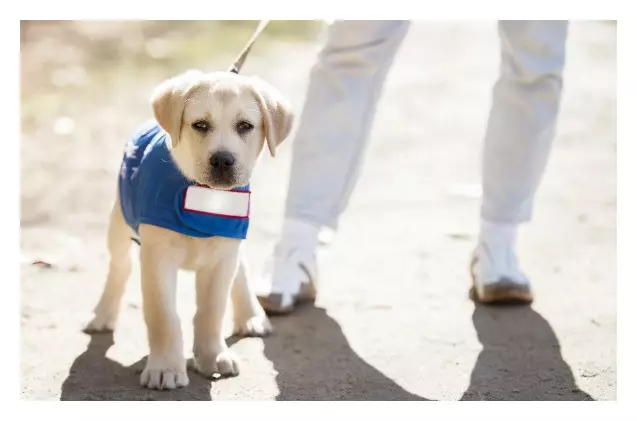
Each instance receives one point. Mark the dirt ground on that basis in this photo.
(398, 327)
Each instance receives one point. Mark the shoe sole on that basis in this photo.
(504, 291)
(272, 303)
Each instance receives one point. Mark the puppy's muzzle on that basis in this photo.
(222, 162)
(222, 166)
(223, 169)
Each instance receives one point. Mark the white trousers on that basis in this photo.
(346, 82)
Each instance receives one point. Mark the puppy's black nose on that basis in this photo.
(222, 160)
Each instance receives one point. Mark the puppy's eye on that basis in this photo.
(201, 126)
(244, 127)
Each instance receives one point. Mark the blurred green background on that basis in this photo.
(62, 58)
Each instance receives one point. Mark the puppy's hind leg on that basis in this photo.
(119, 243)
(249, 317)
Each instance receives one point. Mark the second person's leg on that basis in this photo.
(521, 129)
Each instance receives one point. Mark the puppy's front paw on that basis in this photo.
(160, 374)
(225, 363)
(257, 326)
(101, 323)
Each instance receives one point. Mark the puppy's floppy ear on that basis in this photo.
(276, 111)
(168, 101)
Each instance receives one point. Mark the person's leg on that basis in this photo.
(345, 84)
(521, 129)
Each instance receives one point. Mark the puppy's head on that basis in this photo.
(218, 124)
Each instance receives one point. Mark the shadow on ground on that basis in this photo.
(314, 361)
(309, 351)
(520, 360)
(93, 376)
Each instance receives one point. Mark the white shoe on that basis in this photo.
(289, 276)
(494, 267)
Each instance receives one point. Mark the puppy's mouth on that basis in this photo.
(222, 171)
(224, 180)
(222, 184)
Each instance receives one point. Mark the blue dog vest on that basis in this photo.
(153, 191)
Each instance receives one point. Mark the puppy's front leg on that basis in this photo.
(166, 366)
(211, 354)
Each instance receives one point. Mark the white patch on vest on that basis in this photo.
(235, 204)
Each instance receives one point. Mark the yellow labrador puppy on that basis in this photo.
(184, 190)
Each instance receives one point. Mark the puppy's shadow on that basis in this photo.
(521, 358)
(93, 376)
(314, 361)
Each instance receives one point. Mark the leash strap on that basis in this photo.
(238, 63)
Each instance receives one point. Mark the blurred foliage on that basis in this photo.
(163, 44)
(64, 59)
